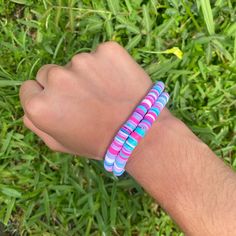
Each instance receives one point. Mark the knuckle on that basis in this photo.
(35, 107)
(109, 47)
(44, 67)
(81, 59)
(55, 73)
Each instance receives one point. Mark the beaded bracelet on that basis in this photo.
(138, 133)
(131, 124)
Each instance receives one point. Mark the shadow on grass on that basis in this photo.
(5, 232)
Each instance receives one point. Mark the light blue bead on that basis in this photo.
(158, 88)
(162, 100)
(156, 110)
(120, 165)
(127, 146)
(147, 122)
(140, 131)
(143, 108)
(118, 173)
(119, 139)
(131, 126)
(132, 141)
(125, 131)
(108, 164)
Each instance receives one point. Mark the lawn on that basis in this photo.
(191, 45)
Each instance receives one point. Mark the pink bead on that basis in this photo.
(134, 120)
(150, 118)
(125, 151)
(112, 151)
(122, 135)
(153, 114)
(136, 136)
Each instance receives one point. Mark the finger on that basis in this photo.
(28, 90)
(42, 74)
(48, 140)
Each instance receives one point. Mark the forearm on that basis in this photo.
(194, 186)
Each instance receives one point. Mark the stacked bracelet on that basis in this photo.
(139, 132)
(131, 124)
(134, 129)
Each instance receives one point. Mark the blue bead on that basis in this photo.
(127, 146)
(131, 126)
(162, 100)
(125, 131)
(140, 131)
(118, 173)
(143, 108)
(147, 122)
(108, 164)
(119, 139)
(132, 142)
(158, 88)
(120, 165)
(156, 110)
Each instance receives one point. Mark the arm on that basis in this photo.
(78, 109)
(194, 186)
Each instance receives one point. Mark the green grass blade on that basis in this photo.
(10, 207)
(133, 42)
(222, 50)
(128, 5)
(146, 19)
(113, 6)
(10, 192)
(208, 16)
(22, 2)
(5, 83)
(235, 47)
(109, 29)
(127, 24)
(46, 204)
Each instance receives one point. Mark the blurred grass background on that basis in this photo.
(47, 193)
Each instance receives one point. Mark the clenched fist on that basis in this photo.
(78, 108)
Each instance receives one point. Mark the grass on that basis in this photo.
(46, 193)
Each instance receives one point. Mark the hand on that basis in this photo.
(79, 108)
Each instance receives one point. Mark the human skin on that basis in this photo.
(78, 108)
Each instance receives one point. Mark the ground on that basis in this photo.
(190, 45)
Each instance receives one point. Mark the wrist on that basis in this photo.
(149, 144)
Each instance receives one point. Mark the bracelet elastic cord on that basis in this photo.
(130, 125)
